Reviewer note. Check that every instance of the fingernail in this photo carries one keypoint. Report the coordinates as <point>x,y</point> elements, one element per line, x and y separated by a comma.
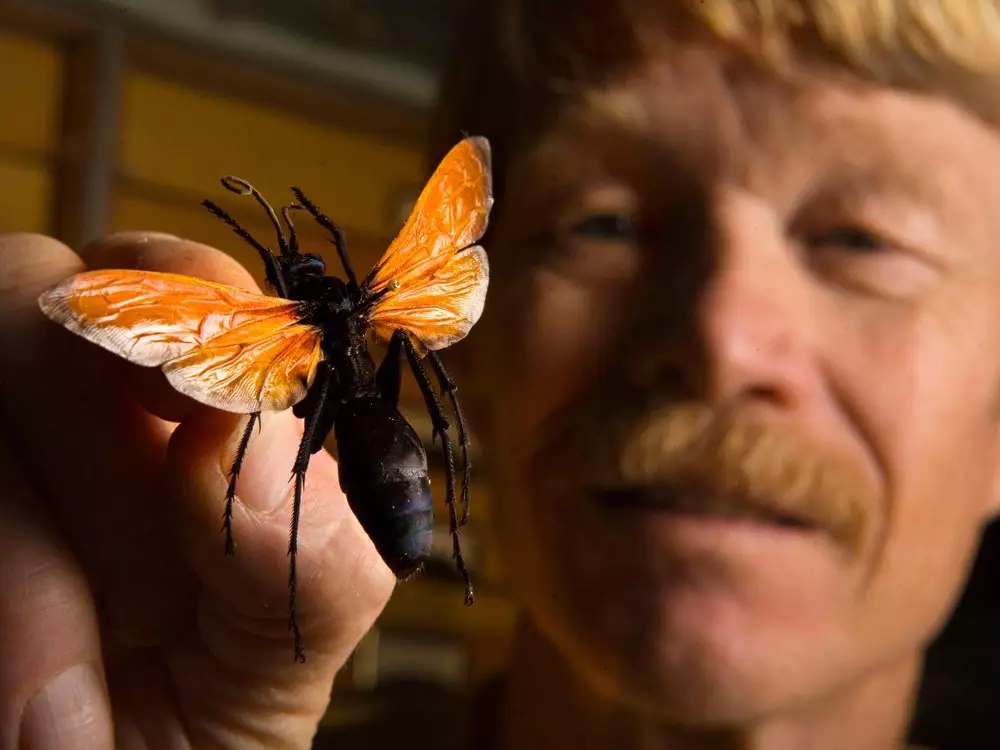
<point>72,711</point>
<point>265,477</point>
<point>131,238</point>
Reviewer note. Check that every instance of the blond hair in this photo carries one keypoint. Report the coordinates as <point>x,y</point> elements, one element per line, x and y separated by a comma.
<point>513,51</point>
<point>951,47</point>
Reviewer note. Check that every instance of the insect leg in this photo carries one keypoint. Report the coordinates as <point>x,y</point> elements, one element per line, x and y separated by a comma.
<point>271,269</point>
<point>390,372</point>
<point>449,388</point>
<point>241,452</point>
<point>440,423</point>
<point>299,474</point>
<point>339,240</point>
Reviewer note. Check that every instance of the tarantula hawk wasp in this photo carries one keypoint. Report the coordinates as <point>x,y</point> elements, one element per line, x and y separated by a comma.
<point>306,349</point>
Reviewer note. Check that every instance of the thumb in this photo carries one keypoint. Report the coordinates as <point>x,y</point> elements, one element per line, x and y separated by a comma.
<point>342,578</point>
<point>243,612</point>
<point>52,689</point>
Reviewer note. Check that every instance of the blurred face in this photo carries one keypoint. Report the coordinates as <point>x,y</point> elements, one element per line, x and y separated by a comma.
<point>738,377</point>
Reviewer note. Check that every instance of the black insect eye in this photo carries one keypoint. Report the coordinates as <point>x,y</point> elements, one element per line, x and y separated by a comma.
<point>605,226</point>
<point>849,238</point>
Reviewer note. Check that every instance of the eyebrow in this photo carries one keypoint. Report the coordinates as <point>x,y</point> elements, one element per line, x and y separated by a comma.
<point>861,158</point>
<point>888,175</point>
<point>617,105</point>
<point>865,160</point>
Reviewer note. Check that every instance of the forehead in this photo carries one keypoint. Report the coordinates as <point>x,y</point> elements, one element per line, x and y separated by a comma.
<point>697,114</point>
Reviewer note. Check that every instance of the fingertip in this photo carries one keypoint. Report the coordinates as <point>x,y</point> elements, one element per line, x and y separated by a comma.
<point>127,238</point>
<point>200,457</point>
<point>71,710</point>
<point>204,448</point>
<point>155,394</point>
<point>21,245</point>
<point>51,684</point>
<point>165,253</point>
<point>29,264</point>
<point>196,449</point>
<point>154,251</point>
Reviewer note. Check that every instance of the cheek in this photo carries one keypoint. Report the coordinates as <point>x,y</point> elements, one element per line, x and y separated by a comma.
<point>932,530</point>
<point>558,345</point>
<point>546,345</point>
<point>921,400</point>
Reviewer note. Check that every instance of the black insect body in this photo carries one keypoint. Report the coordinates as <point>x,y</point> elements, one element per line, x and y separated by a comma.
<point>382,462</point>
<point>307,349</point>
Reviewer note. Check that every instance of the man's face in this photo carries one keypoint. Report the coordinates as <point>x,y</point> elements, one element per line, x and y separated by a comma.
<point>813,267</point>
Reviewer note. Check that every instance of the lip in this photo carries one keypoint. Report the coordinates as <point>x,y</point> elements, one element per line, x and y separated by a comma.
<point>692,553</point>
<point>687,504</point>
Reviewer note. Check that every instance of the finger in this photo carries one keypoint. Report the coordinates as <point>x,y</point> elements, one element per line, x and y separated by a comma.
<point>247,595</point>
<point>68,398</point>
<point>52,690</point>
<point>167,254</point>
<point>343,583</point>
<point>334,552</point>
<point>115,508</point>
<point>64,401</point>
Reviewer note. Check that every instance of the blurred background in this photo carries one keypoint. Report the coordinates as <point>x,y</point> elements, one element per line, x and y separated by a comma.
<point>124,114</point>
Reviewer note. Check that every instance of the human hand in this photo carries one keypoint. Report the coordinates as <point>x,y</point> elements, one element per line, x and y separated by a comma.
<point>123,623</point>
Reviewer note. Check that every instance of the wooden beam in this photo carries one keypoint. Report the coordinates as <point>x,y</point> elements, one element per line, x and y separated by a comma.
<point>90,135</point>
<point>349,107</point>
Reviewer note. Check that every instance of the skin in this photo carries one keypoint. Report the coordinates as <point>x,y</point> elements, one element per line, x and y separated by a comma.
<point>871,351</point>
<point>122,618</point>
<point>815,255</point>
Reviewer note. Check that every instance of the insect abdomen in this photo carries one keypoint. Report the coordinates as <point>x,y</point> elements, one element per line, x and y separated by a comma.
<point>383,471</point>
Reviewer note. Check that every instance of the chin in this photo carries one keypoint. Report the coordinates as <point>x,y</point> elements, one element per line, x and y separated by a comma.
<point>690,659</point>
<point>699,624</point>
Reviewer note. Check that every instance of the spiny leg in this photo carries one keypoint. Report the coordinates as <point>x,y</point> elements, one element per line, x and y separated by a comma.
<point>299,474</point>
<point>234,472</point>
<point>339,240</point>
<point>440,425</point>
<point>271,269</point>
<point>449,388</point>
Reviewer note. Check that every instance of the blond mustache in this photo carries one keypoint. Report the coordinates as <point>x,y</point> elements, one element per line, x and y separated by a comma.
<point>731,456</point>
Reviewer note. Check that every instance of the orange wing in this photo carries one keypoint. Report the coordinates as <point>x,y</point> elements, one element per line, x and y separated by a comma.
<point>225,347</point>
<point>433,278</point>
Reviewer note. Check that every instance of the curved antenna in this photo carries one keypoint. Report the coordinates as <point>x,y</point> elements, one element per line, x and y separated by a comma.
<point>293,238</point>
<point>242,187</point>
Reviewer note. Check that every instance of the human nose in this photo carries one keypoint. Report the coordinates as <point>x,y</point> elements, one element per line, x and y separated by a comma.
<point>739,326</point>
<point>753,319</point>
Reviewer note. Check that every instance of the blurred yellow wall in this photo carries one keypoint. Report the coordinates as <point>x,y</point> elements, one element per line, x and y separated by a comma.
<point>31,90</point>
<point>174,138</point>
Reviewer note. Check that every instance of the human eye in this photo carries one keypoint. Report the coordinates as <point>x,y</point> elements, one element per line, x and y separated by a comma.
<point>867,261</point>
<point>604,225</point>
<point>852,239</point>
<point>598,235</point>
